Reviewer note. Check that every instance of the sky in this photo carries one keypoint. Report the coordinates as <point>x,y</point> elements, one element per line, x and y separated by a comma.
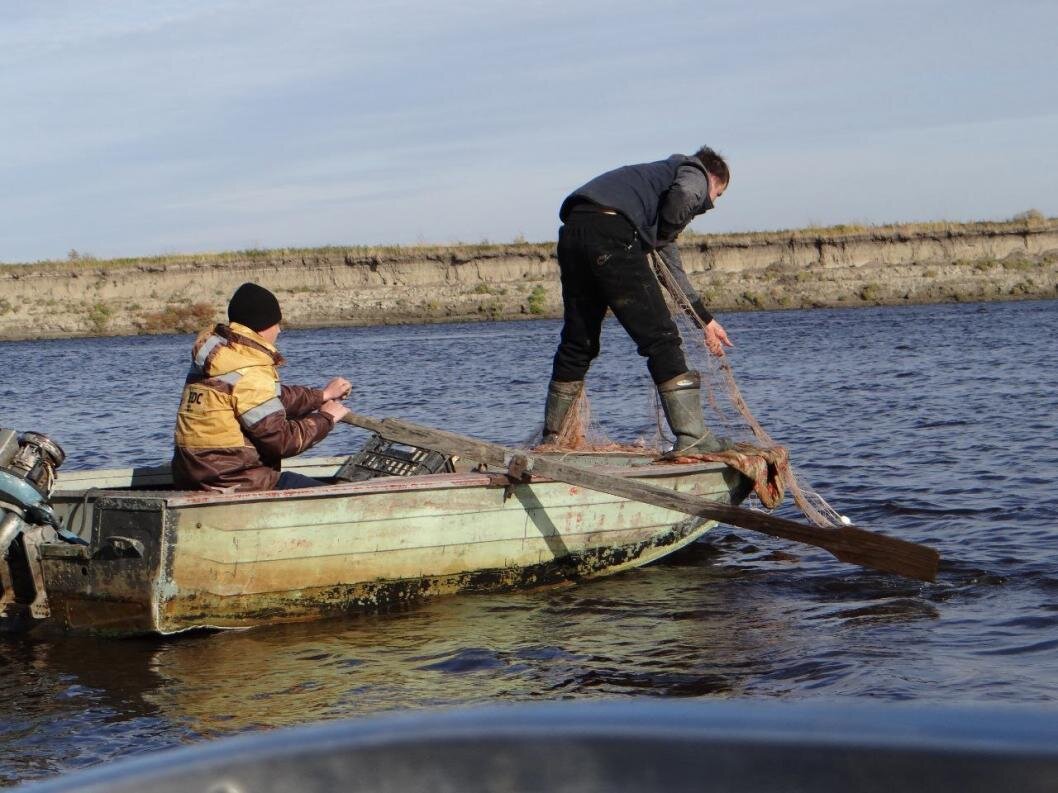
<point>178,126</point>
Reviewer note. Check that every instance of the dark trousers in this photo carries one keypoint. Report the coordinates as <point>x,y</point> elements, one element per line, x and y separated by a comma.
<point>291,480</point>
<point>604,265</point>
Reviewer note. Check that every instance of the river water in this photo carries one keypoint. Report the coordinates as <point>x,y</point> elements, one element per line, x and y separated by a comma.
<point>933,423</point>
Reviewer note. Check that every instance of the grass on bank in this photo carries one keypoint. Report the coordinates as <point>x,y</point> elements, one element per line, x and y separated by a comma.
<point>455,253</point>
<point>452,253</point>
<point>1029,221</point>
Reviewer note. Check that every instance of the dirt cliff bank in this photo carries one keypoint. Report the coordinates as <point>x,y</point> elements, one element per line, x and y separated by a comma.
<point>840,266</point>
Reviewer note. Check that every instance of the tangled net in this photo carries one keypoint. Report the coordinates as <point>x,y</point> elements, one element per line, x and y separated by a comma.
<point>730,417</point>
<point>723,396</point>
<point>580,434</point>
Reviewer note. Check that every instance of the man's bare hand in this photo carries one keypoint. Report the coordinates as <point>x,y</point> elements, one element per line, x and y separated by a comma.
<point>338,388</point>
<point>334,409</point>
<point>716,338</point>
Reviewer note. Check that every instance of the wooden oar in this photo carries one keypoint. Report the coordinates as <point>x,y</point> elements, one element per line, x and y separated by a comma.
<point>848,543</point>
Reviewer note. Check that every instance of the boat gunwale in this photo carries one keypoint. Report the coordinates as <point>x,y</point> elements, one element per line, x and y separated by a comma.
<point>377,485</point>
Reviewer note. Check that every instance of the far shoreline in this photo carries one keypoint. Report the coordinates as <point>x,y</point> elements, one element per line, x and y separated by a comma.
<point>836,267</point>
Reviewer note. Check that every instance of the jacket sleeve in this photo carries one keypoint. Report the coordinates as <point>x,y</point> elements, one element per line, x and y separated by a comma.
<point>263,418</point>
<point>681,202</point>
<point>670,257</point>
<point>300,400</point>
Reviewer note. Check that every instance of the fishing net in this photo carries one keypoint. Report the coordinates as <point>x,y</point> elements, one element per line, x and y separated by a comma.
<point>580,433</point>
<point>755,452</point>
<point>730,415</point>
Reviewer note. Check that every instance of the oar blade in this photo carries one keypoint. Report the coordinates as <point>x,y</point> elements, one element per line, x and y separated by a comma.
<point>887,554</point>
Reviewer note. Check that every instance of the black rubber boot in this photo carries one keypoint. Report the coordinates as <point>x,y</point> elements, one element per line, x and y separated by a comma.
<point>681,397</point>
<point>560,398</point>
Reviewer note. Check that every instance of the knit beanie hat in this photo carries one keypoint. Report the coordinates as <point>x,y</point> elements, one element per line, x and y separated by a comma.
<point>255,307</point>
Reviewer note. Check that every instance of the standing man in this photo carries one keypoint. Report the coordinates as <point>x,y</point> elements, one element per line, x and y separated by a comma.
<point>236,421</point>
<point>611,224</point>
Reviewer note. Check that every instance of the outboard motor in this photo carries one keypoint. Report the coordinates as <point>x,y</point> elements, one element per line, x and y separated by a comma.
<point>27,478</point>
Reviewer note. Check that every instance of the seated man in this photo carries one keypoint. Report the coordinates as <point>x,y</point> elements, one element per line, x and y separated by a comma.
<point>236,422</point>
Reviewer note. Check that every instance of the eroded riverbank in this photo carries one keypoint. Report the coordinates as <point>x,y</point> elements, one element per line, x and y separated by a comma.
<point>321,287</point>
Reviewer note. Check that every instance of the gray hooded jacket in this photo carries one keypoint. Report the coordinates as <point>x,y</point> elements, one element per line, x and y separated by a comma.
<point>659,199</point>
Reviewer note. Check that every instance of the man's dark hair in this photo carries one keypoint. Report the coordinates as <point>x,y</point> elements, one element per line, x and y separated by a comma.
<point>714,163</point>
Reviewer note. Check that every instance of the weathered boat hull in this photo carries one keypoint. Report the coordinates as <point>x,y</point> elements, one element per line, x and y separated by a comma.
<point>167,561</point>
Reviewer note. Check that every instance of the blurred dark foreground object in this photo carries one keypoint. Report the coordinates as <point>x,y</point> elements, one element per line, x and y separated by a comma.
<point>638,745</point>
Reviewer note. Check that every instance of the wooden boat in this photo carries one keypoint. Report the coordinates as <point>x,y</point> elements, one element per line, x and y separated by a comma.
<point>121,552</point>
<point>161,561</point>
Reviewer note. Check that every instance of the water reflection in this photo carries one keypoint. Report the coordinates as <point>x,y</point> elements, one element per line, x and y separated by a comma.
<point>608,638</point>
<point>673,631</point>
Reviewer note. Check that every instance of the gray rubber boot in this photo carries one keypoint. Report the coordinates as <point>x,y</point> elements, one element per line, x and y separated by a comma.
<point>681,397</point>
<point>560,398</point>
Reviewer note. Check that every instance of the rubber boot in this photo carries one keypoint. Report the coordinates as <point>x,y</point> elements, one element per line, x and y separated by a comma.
<point>560,398</point>
<point>681,398</point>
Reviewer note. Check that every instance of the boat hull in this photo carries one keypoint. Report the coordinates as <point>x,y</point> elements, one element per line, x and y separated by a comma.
<point>165,561</point>
<point>642,744</point>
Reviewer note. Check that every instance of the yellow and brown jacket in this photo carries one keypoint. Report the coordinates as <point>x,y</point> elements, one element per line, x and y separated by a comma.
<point>236,422</point>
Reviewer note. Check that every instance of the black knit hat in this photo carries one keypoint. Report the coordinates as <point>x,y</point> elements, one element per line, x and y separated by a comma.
<point>254,306</point>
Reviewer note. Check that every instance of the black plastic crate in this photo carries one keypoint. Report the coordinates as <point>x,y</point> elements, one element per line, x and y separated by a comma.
<point>381,457</point>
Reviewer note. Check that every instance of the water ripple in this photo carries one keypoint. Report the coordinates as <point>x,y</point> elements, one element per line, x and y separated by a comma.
<point>947,442</point>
